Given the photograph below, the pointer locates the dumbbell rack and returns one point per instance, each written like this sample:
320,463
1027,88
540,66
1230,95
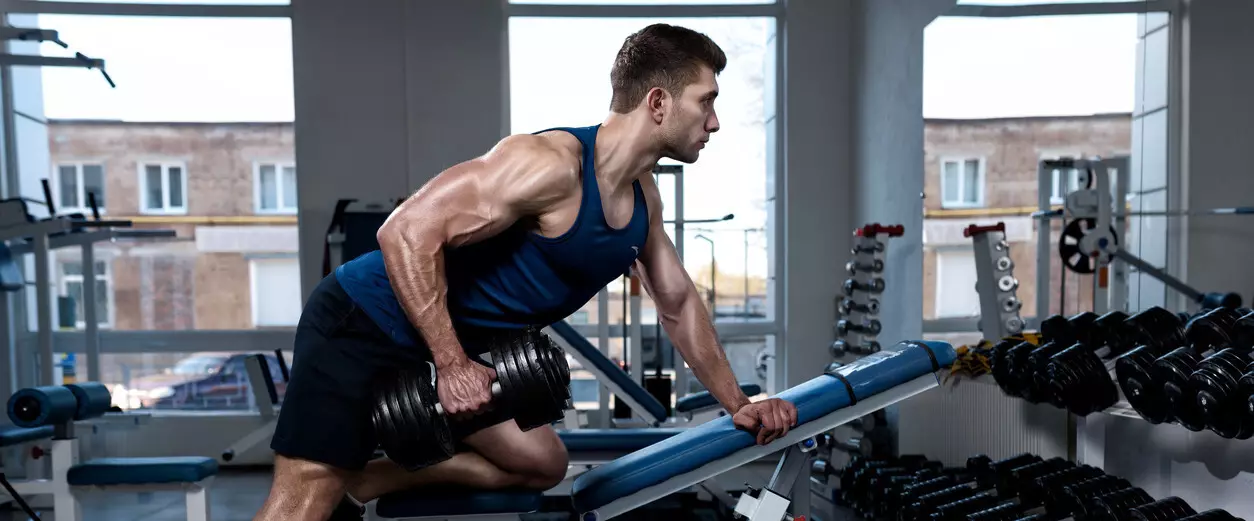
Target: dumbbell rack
995,282
857,311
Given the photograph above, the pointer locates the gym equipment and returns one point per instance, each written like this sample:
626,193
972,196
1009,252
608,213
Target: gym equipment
857,311
50,412
1166,509
697,454
1161,388
1090,242
1155,331
266,396
46,35
995,282
533,382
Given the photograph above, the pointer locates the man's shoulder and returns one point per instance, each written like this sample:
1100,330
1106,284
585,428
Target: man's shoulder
555,157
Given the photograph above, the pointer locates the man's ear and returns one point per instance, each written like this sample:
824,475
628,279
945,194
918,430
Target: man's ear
657,99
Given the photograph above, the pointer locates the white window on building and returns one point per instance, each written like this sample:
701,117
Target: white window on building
275,187
955,284
962,182
162,188
276,297
72,281
74,182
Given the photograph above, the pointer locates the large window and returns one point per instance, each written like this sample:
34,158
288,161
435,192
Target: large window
727,259
196,138
984,141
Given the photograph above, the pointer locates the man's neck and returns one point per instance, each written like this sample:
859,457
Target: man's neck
624,150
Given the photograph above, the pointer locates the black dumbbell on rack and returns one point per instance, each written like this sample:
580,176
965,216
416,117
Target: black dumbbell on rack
1160,388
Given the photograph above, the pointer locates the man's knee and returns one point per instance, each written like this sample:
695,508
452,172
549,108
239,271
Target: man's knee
538,456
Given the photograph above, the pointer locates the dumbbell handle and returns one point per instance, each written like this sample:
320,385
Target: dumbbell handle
496,393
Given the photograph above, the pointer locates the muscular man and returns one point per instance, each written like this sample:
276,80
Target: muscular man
524,235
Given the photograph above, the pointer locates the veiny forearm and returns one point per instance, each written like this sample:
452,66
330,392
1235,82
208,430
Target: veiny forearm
415,265
694,335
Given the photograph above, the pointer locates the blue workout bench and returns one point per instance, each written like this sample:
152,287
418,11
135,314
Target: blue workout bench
52,411
620,383
694,455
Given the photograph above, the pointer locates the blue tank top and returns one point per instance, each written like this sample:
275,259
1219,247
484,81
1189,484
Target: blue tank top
517,278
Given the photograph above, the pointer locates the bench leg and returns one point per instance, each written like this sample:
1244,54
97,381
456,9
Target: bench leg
64,503
198,502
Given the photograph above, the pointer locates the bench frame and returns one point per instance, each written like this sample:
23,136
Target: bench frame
799,489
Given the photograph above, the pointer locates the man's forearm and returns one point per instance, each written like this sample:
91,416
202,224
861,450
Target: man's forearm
693,333
415,268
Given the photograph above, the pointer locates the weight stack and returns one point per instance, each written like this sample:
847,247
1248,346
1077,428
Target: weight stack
857,310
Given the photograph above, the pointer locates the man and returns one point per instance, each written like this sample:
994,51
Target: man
523,235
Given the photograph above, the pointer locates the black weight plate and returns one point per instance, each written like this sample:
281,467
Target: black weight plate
401,425
551,370
1171,372
1143,394
543,390
1069,245
502,370
521,402
438,428
512,391
411,431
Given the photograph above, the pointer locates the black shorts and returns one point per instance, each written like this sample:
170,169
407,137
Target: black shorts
339,352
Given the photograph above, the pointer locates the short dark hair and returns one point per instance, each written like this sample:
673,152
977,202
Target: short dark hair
660,55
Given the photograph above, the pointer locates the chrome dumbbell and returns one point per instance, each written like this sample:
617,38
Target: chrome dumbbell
875,286
847,306
875,266
871,327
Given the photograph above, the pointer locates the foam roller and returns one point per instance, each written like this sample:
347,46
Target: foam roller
93,399
39,406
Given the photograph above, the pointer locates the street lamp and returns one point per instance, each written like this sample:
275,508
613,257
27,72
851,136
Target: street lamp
713,270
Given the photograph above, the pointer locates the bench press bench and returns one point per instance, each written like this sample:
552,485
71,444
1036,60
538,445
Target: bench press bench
52,410
697,454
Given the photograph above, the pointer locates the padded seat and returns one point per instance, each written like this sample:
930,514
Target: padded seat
455,501
141,471
614,440
719,438
704,399
11,435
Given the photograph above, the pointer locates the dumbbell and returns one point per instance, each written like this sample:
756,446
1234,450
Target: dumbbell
1171,372
1165,509
1035,492
1008,511
1215,514
533,382
1076,378
875,266
862,479
981,475
1030,491
841,346
1154,331
875,286
1216,382
1068,499
873,247
870,327
875,485
1115,506
848,306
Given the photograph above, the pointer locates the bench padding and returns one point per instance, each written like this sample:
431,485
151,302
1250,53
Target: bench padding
614,440
11,435
719,438
453,501
141,471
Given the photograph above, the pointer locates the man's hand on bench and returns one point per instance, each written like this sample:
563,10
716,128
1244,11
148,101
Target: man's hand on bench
769,419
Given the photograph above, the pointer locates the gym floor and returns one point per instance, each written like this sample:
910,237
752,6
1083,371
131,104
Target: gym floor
238,493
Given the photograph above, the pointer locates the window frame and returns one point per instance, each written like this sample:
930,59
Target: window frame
279,165
63,280
165,164
980,181
78,165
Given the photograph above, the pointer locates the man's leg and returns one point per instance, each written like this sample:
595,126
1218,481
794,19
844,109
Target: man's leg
302,489
500,456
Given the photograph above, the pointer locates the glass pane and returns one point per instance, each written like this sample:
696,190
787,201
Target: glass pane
67,176
289,187
156,198
72,268
176,187
183,381
950,181
731,175
269,188
93,183
102,268
102,302
971,182
236,93
74,290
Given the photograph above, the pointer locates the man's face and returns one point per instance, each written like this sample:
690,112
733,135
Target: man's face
691,119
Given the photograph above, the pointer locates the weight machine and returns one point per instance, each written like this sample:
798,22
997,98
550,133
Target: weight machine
1089,242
